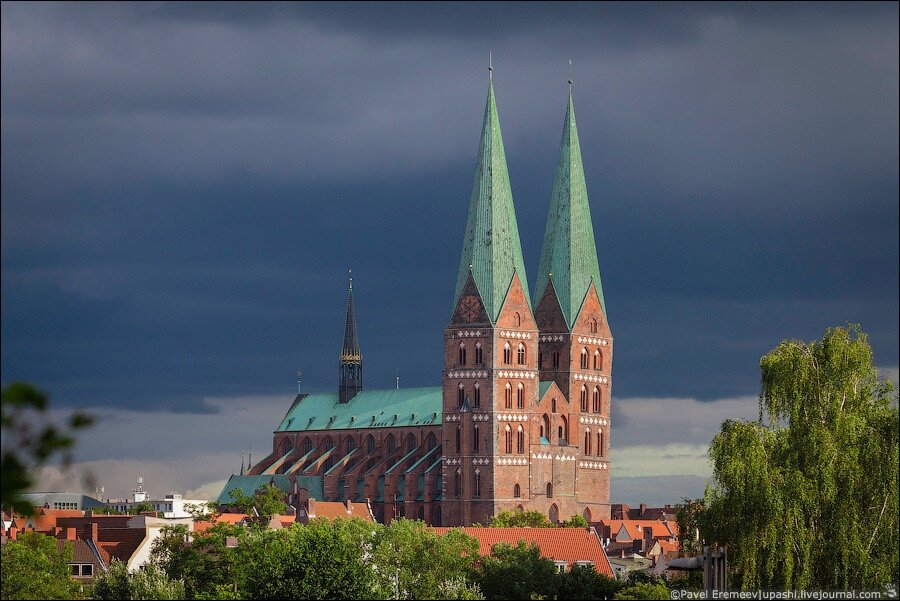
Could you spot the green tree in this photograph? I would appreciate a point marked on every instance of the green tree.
(518, 572)
(644, 591)
(576, 521)
(142, 507)
(809, 499)
(268, 500)
(34, 568)
(321, 560)
(583, 582)
(412, 562)
(147, 583)
(29, 441)
(458, 587)
(205, 563)
(520, 519)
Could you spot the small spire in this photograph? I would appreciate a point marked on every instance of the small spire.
(242, 462)
(350, 277)
(571, 69)
(490, 65)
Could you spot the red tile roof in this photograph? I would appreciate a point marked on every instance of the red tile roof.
(119, 543)
(635, 528)
(45, 519)
(559, 544)
(334, 509)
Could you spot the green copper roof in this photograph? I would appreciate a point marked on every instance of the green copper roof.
(250, 484)
(569, 252)
(491, 245)
(368, 409)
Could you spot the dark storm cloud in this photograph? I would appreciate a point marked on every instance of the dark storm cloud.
(184, 185)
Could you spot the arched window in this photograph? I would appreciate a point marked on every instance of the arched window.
(370, 444)
(477, 394)
(564, 429)
(555, 358)
(593, 324)
(462, 353)
(479, 355)
(475, 439)
(507, 354)
(549, 490)
(596, 399)
(286, 447)
(477, 482)
(520, 396)
(457, 481)
(598, 359)
(520, 354)
(460, 396)
(553, 514)
(508, 436)
(458, 438)
(553, 405)
(586, 514)
(410, 443)
(587, 442)
(326, 443)
(584, 358)
(517, 491)
(430, 441)
(520, 440)
(307, 445)
(351, 444)
(600, 443)
(390, 443)
(517, 320)
(508, 396)
(545, 427)
(583, 398)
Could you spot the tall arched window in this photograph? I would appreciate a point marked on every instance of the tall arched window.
(508, 435)
(326, 443)
(565, 428)
(520, 354)
(370, 444)
(555, 357)
(460, 396)
(584, 358)
(517, 491)
(545, 427)
(307, 445)
(520, 396)
(598, 360)
(587, 442)
(520, 440)
(410, 443)
(586, 514)
(600, 443)
(507, 396)
(479, 355)
(457, 481)
(477, 482)
(458, 438)
(549, 490)
(593, 324)
(596, 399)
(553, 405)
(584, 398)
(430, 441)
(475, 439)
(477, 394)
(507, 354)
(351, 443)
(391, 443)
(286, 447)
(462, 353)
(517, 320)
(553, 514)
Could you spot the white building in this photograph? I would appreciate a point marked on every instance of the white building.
(170, 506)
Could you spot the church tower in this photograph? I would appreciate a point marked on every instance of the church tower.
(351, 358)
(575, 339)
(490, 378)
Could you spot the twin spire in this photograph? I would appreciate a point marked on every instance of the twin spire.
(351, 357)
(492, 252)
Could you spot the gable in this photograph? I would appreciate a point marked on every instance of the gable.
(469, 308)
(591, 308)
(548, 313)
(516, 301)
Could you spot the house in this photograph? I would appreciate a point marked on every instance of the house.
(566, 547)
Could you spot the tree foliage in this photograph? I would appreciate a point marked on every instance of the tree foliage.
(521, 519)
(576, 521)
(808, 498)
(147, 583)
(583, 582)
(34, 568)
(518, 572)
(206, 564)
(644, 590)
(29, 441)
(268, 500)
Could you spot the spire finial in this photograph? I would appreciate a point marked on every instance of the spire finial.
(571, 69)
(350, 277)
(490, 65)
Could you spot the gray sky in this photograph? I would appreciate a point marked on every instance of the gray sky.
(185, 185)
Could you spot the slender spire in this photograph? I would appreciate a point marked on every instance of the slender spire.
(569, 251)
(351, 357)
(491, 250)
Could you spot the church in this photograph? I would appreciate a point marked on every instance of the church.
(522, 417)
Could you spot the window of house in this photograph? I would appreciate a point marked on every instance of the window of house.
(520, 440)
(507, 354)
(457, 483)
(475, 439)
(596, 400)
(520, 396)
(477, 483)
(584, 358)
(584, 399)
(549, 490)
(508, 435)
(508, 396)
(593, 324)
(517, 320)
(552, 405)
(555, 357)
(479, 357)
(545, 427)
(462, 353)
(520, 354)
(560, 566)
(517, 491)
(598, 360)
(587, 442)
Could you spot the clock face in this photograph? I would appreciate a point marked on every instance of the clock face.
(469, 308)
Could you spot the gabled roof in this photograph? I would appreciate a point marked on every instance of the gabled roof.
(368, 409)
(559, 544)
(491, 251)
(333, 509)
(569, 252)
(248, 485)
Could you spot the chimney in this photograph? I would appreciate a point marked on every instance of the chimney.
(643, 508)
(349, 504)
(70, 534)
(90, 531)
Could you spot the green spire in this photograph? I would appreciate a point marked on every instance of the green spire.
(491, 249)
(569, 252)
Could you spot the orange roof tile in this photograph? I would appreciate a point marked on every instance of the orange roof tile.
(559, 544)
(334, 509)
(635, 528)
(119, 543)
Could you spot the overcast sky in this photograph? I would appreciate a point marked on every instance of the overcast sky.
(184, 187)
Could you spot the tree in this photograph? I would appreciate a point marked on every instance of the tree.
(412, 562)
(268, 500)
(34, 568)
(30, 441)
(518, 572)
(583, 582)
(460, 588)
(810, 499)
(644, 591)
(321, 560)
(143, 507)
(147, 583)
(520, 519)
(576, 521)
(205, 564)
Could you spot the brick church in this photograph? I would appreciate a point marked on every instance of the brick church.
(522, 418)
